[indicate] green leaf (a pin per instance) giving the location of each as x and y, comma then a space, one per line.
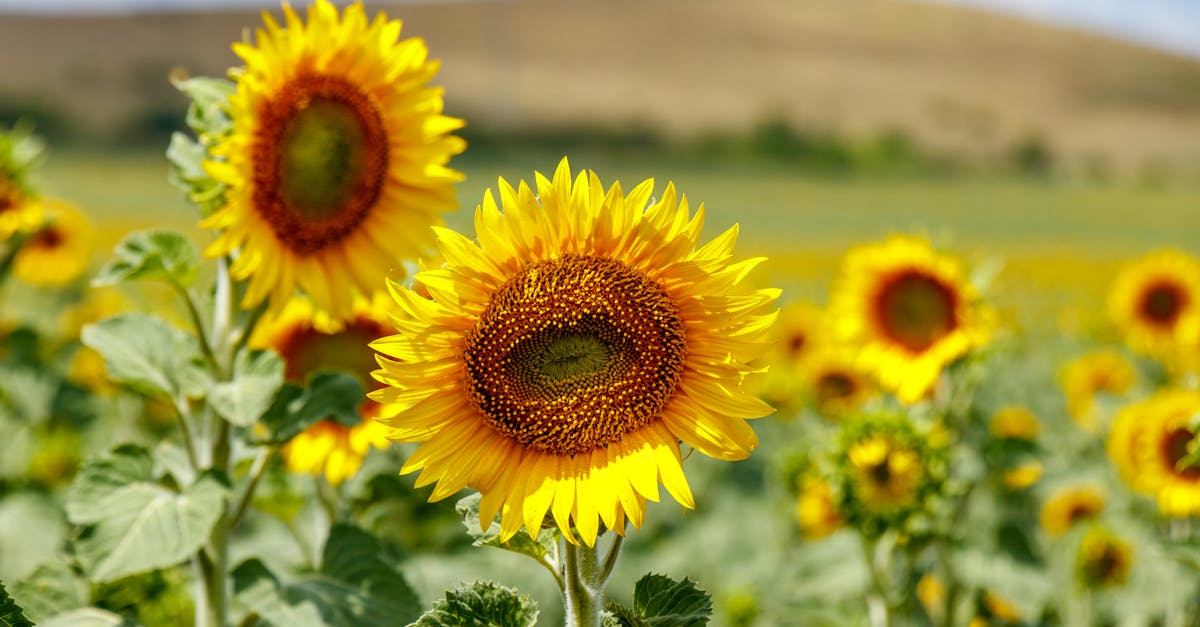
11, 614
208, 114
468, 508
187, 173
257, 588
149, 355
52, 589
158, 254
659, 601
257, 375
481, 604
132, 524
357, 584
28, 391
328, 396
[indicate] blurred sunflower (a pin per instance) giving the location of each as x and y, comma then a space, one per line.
561, 359
1103, 561
1014, 422
59, 251
310, 341
816, 508
336, 165
1069, 506
1155, 302
835, 384
20, 208
1083, 378
887, 472
931, 592
910, 310
798, 334
1149, 441
994, 609
1022, 475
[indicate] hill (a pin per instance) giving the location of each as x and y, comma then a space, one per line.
955, 79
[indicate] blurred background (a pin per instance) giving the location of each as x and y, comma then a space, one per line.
1062, 135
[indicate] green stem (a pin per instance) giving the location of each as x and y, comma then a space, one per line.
583, 594
248, 327
198, 324
14, 246
257, 469
879, 605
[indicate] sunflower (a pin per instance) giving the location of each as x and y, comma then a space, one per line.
1070, 505
558, 362
20, 208
1022, 475
910, 310
1103, 371
336, 164
1014, 422
1155, 302
836, 385
1148, 443
887, 472
816, 508
310, 341
59, 251
1103, 560
799, 333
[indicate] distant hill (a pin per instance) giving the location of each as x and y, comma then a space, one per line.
955, 79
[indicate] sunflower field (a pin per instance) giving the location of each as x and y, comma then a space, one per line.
370, 382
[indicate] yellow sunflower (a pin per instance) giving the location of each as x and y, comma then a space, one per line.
1155, 302
1103, 371
885, 475
560, 360
1069, 506
1014, 422
336, 165
1148, 442
1021, 476
798, 334
310, 341
20, 208
1103, 560
835, 383
816, 508
59, 251
910, 310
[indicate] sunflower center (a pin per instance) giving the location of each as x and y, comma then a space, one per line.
573, 353
1080, 511
796, 343
1162, 303
320, 161
1175, 449
881, 473
49, 237
305, 350
835, 385
916, 310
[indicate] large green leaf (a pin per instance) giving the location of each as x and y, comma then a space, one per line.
11, 614
257, 588
132, 524
357, 584
257, 375
53, 588
328, 396
149, 355
157, 254
659, 601
468, 508
481, 604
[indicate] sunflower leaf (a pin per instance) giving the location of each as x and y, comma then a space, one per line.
481, 603
11, 614
659, 601
257, 376
156, 254
208, 113
51, 589
257, 588
187, 173
357, 584
132, 524
539, 549
327, 396
149, 355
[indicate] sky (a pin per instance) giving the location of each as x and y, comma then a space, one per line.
1172, 25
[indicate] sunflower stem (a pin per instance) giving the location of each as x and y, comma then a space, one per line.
257, 469
877, 555
198, 325
14, 246
583, 594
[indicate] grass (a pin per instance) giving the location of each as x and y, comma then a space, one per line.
1060, 241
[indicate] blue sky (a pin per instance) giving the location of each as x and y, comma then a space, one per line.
1167, 24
